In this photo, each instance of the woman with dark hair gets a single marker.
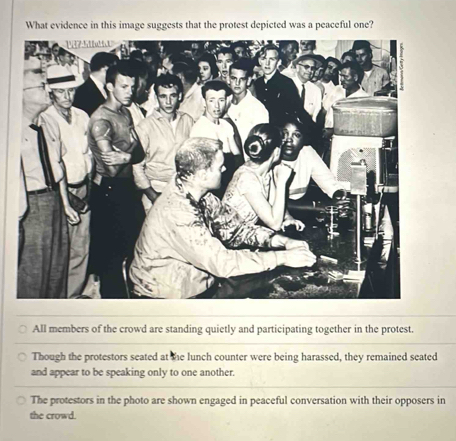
(207, 68)
(307, 164)
(257, 190)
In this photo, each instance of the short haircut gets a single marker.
(362, 44)
(216, 85)
(314, 43)
(226, 50)
(268, 47)
(55, 45)
(244, 64)
(284, 43)
(139, 68)
(122, 67)
(137, 55)
(102, 59)
(188, 69)
(62, 52)
(167, 80)
(210, 59)
(196, 154)
(353, 65)
(263, 139)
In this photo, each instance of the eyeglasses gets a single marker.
(307, 67)
(41, 86)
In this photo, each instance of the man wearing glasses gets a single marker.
(310, 94)
(73, 124)
(43, 265)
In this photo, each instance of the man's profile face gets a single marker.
(35, 91)
(224, 61)
(213, 175)
(168, 99)
(239, 81)
(348, 78)
(364, 58)
(306, 69)
(268, 61)
(216, 103)
(63, 98)
(123, 89)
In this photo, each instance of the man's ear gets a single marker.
(249, 81)
(109, 87)
(181, 96)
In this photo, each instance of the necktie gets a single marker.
(44, 157)
(303, 94)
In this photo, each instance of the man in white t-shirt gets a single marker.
(244, 109)
(212, 125)
(375, 78)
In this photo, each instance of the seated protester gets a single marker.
(177, 255)
(307, 165)
(258, 188)
(212, 125)
(207, 68)
(161, 134)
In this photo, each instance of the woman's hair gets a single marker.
(295, 119)
(263, 139)
(210, 59)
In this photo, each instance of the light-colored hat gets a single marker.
(314, 57)
(59, 77)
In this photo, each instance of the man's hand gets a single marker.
(117, 157)
(298, 257)
(72, 215)
(292, 244)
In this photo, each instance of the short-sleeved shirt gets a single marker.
(245, 180)
(78, 157)
(115, 127)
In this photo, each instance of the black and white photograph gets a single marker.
(135, 156)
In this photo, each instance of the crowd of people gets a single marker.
(165, 171)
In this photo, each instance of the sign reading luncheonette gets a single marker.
(85, 49)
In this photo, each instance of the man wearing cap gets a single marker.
(311, 95)
(73, 124)
(90, 95)
(375, 77)
(43, 267)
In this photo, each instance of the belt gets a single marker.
(42, 191)
(81, 184)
